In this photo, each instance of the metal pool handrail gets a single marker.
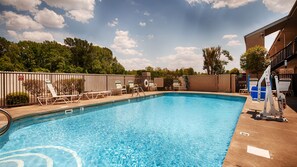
(9, 119)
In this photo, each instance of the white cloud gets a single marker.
(113, 23)
(230, 36)
(234, 43)
(221, 3)
(37, 36)
(122, 43)
(142, 24)
(22, 5)
(12, 34)
(194, 2)
(146, 13)
(80, 15)
(79, 10)
(15, 21)
(279, 6)
(183, 57)
(135, 63)
(49, 18)
(150, 36)
(60, 36)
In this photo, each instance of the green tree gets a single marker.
(149, 68)
(11, 60)
(234, 71)
(253, 60)
(92, 59)
(212, 60)
(77, 56)
(6, 64)
(4, 44)
(189, 71)
(30, 53)
(80, 51)
(56, 57)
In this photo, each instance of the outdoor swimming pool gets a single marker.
(165, 130)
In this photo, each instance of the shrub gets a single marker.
(187, 81)
(17, 98)
(68, 86)
(168, 81)
(35, 87)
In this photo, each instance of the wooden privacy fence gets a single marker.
(11, 82)
(212, 83)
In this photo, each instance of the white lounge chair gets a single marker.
(135, 88)
(176, 85)
(152, 86)
(63, 98)
(119, 86)
(96, 94)
(252, 82)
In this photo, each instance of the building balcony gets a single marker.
(288, 53)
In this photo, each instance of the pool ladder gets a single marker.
(5, 128)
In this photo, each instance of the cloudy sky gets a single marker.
(159, 33)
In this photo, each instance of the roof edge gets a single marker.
(292, 11)
(279, 21)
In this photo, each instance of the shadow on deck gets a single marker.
(292, 102)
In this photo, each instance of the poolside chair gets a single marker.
(119, 86)
(63, 98)
(96, 94)
(152, 86)
(243, 91)
(176, 85)
(251, 83)
(135, 88)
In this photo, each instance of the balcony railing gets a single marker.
(286, 53)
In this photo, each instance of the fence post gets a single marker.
(83, 77)
(106, 82)
(217, 82)
(4, 89)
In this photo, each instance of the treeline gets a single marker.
(76, 56)
(159, 72)
(80, 56)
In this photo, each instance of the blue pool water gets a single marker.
(168, 130)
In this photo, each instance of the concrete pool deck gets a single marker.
(279, 138)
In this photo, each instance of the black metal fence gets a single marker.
(285, 54)
(241, 81)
